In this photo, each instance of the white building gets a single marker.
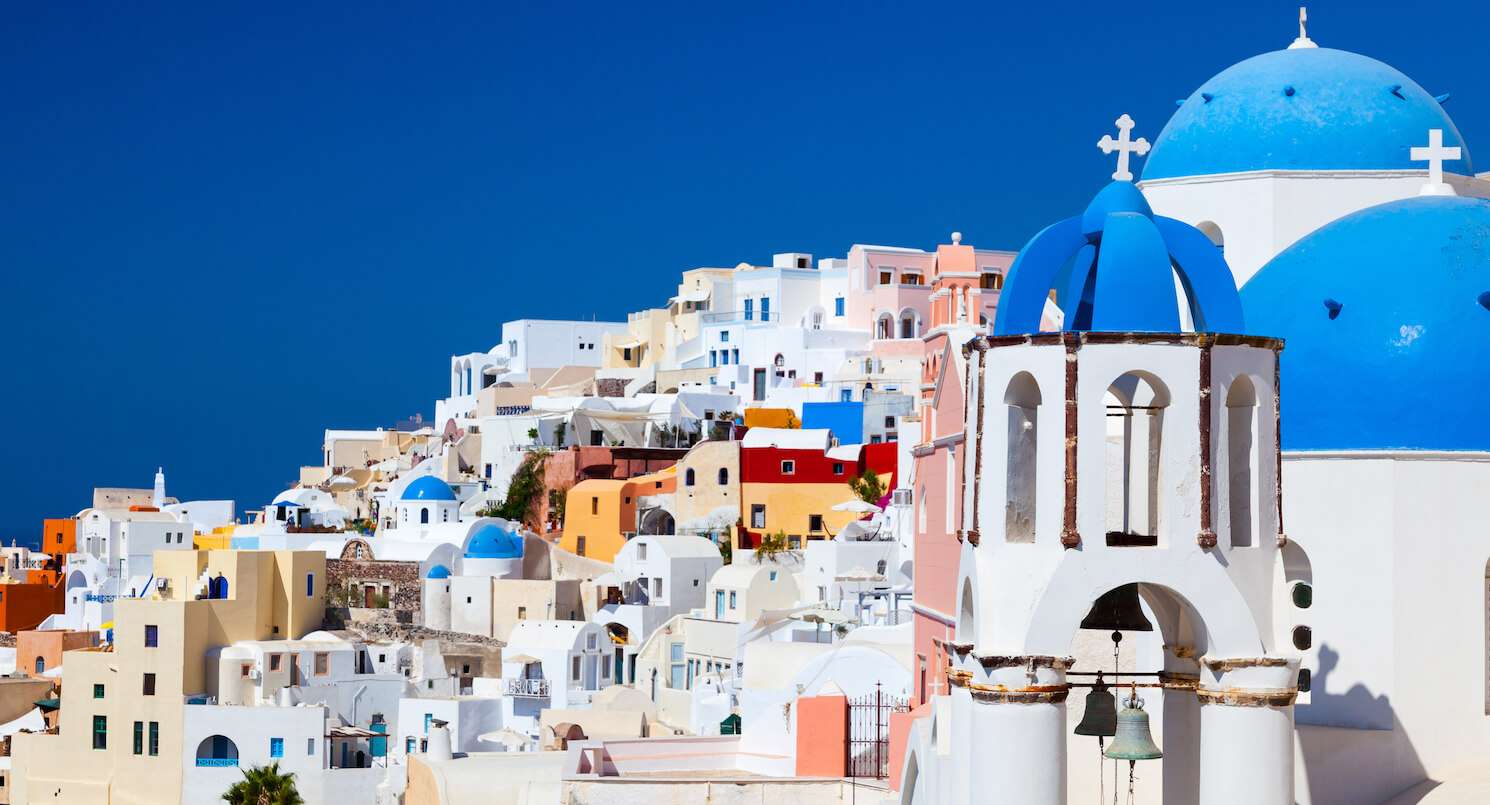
(552, 664)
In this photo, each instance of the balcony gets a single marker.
(217, 762)
(535, 688)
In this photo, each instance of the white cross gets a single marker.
(1303, 41)
(1124, 147)
(1434, 154)
(936, 686)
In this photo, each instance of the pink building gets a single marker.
(962, 299)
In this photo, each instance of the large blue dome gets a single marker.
(1302, 109)
(491, 541)
(428, 487)
(1385, 315)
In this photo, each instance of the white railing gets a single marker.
(528, 687)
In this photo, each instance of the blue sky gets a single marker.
(224, 230)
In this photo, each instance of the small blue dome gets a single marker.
(1385, 316)
(491, 541)
(1302, 109)
(1120, 261)
(438, 572)
(428, 487)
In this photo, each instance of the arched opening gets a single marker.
(688, 477)
(965, 614)
(468, 378)
(656, 521)
(1241, 462)
(908, 324)
(1135, 429)
(885, 327)
(723, 476)
(40, 665)
(779, 361)
(424, 516)
(217, 587)
(1022, 401)
(217, 750)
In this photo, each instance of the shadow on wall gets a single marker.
(1354, 749)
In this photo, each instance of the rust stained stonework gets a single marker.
(402, 577)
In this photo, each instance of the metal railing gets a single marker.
(527, 687)
(217, 762)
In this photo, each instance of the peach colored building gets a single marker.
(38, 651)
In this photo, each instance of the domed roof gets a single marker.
(428, 487)
(1121, 260)
(1302, 109)
(438, 572)
(1384, 314)
(492, 541)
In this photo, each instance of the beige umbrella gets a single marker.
(506, 736)
(856, 505)
(522, 658)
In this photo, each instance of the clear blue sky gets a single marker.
(224, 230)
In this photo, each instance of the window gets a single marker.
(41, 664)
(154, 739)
(100, 732)
(590, 641)
(641, 547)
(838, 306)
(657, 588)
(788, 467)
(887, 277)
(152, 636)
(889, 421)
(749, 309)
(765, 308)
(522, 613)
(814, 522)
(276, 747)
(274, 662)
(734, 356)
(594, 505)
(139, 743)
(410, 744)
(773, 575)
(98, 691)
(910, 279)
(626, 353)
(687, 480)
(837, 468)
(574, 668)
(579, 546)
(675, 666)
(310, 585)
(757, 515)
(990, 281)
(845, 395)
(724, 336)
(310, 746)
(323, 663)
(428, 720)
(723, 476)
(149, 685)
(731, 599)
(713, 358)
(245, 670)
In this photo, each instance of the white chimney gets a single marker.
(159, 498)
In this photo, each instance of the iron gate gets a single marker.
(869, 732)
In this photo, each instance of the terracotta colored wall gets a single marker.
(822, 736)
(59, 536)
(900, 733)
(48, 645)
(23, 606)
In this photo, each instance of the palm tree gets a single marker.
(264, 785)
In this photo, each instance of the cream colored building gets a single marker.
(124, 706)
(707, 501)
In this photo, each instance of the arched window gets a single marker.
(724, 476)
(907, 325)
(41, 664)
(688, 477)
(1135, 428)
(965, 614)
(1212, 231)
(885, 327)
(217, 750)
(780, 361)
(1241, 462)
(1022, 403)
(424, 515)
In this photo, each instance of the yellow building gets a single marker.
(708, 497)
(123, 706)
(600, 515)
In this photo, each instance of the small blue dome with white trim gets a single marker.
(428, 487)
(1116, 264)
(438, 572)
(492, 541)
(1302, 109)
(1385, 314)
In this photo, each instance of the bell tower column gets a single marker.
(1018, 726)
(1246, 730)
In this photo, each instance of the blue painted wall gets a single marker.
(845, 419)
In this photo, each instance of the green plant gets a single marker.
(264, 785)
(380, 601)
(772, 545)
(341, 595)
(362, 525)
(523, 493)
(726, 549)
(869, 486)
(533, 434)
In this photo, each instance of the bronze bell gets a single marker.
(1133, 741)
(1118, 610)
(1100, 717)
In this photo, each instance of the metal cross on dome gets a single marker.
(1434, 153)
(1124, 146)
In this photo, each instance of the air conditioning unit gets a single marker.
(162, 584)
(902, 497)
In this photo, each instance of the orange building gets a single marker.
(59, 536)
(40, 651)
(600, 514)
(25, 604)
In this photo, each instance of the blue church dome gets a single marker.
(428, 487)
(1385, 315)
(491, 541)
(1116, 264)
(1302, 109)
(438, 572)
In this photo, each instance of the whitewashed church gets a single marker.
(1257, 453)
